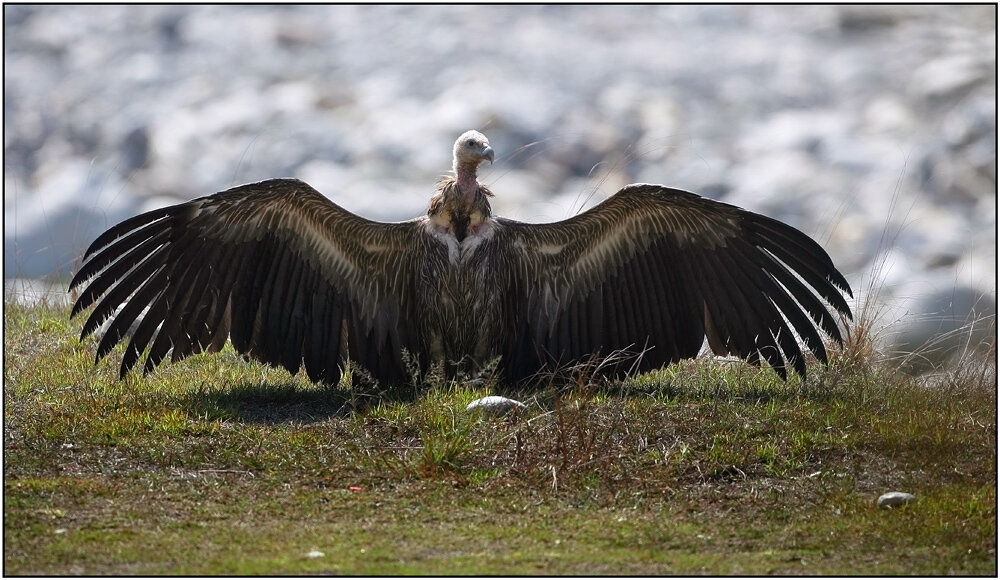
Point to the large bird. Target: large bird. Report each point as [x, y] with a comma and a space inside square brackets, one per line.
[292, 278]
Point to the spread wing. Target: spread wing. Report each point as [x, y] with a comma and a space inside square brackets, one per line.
[655, 271]
[285, 273]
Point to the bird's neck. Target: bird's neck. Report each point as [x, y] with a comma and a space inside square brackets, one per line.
[466, 183]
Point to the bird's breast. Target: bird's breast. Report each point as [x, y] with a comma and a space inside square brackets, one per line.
[459, 296]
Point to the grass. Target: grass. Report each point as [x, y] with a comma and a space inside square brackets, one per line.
[219, 466]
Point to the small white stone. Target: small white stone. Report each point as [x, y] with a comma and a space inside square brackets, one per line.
[894, 499]
[495, 405]
[315, 554]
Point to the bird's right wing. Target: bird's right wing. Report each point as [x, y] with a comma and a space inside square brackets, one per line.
[284, 272]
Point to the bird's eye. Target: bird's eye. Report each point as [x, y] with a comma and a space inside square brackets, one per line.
[471, 142]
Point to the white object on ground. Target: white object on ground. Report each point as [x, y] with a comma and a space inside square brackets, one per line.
[894, 499]
[495, 405]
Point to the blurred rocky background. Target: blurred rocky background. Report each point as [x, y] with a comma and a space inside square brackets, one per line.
[871, 128]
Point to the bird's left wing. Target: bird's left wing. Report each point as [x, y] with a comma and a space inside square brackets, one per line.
[654, 270]
[290, 276]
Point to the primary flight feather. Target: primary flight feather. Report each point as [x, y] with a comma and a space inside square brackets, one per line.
[294, 280]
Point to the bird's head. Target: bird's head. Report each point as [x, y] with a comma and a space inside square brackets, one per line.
[471, 149]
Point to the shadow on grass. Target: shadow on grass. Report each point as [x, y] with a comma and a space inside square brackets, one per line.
[268, 403]
[283, 402]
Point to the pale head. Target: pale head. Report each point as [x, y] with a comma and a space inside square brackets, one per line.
[471, 149]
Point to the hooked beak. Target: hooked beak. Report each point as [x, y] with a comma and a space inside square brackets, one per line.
[488, 154]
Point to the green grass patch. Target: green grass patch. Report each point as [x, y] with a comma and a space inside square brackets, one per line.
[220, 466]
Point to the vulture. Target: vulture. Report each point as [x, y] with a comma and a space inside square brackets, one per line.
[292, 279]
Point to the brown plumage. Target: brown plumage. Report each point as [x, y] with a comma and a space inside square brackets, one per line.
[291, 278]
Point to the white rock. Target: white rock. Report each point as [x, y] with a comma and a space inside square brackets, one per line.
[315, 554]
[894, 499]
[947, 75]
[495, 405]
